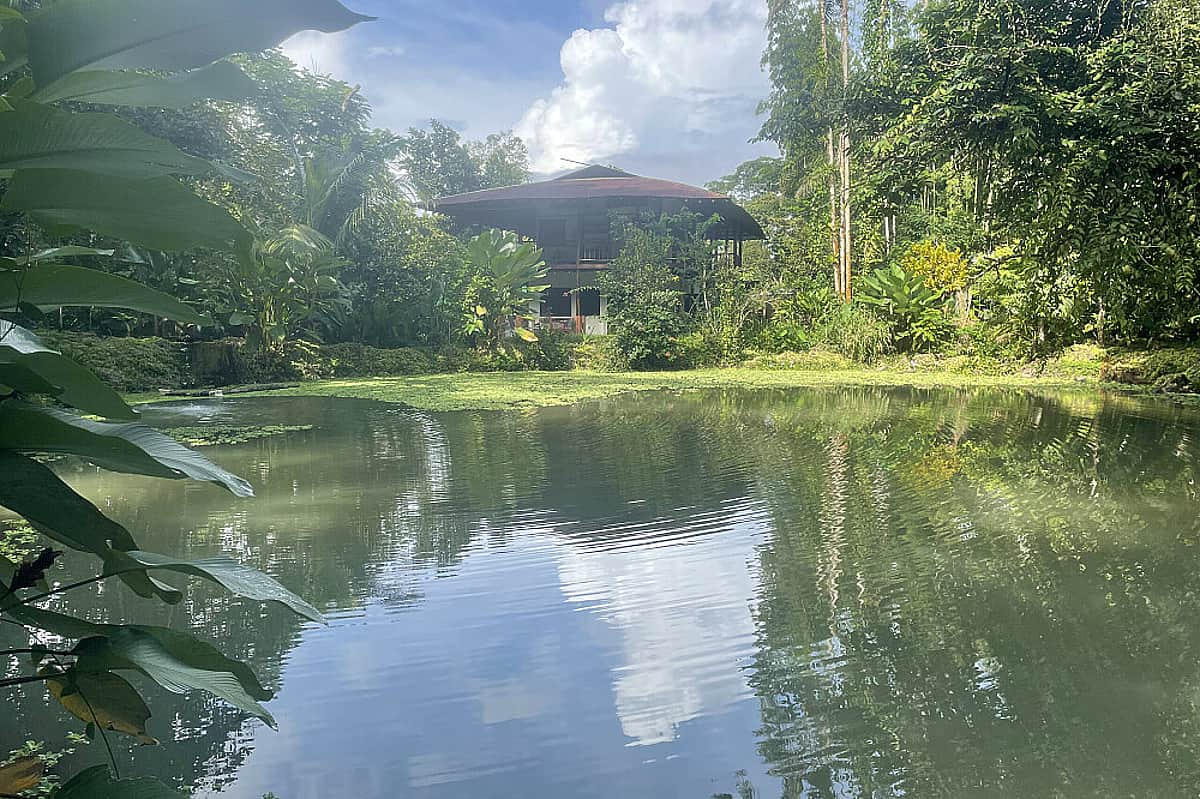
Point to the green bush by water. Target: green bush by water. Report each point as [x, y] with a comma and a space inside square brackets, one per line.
[127, 364]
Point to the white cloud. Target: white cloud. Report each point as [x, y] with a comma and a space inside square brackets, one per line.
[325, 53]
[671, 84]
[685, 618]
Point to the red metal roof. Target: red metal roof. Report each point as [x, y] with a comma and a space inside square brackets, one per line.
[573, 187]
[601, 183]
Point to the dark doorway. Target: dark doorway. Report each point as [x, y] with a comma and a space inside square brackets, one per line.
[557, 303]
[589, 303]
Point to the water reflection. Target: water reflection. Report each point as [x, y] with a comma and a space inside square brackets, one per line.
[679, 596]
[853, 593]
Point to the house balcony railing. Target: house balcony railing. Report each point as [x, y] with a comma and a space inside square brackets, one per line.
[573, 254]
[559, 324]
[590, 325]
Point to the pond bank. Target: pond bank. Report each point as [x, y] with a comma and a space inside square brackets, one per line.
[504, 390]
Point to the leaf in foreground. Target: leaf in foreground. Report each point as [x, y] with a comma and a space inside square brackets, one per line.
[126, 448]
[21, 775]
[60, 285]
[221, 81]
[178, 663]
[175, 660]
[103, 699]
[31, 367]
[34, 136]
[239, 580]
[160, 213]
[35, 492]
[183, 34]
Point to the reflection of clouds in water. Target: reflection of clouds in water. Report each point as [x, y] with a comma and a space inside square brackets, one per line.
[685, 618]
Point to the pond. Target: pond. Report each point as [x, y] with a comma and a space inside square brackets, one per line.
[857, 592]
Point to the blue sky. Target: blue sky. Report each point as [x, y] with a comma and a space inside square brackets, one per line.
[661, 87]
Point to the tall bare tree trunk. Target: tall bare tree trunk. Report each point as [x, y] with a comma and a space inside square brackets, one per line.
[847, 271]
[834, 156]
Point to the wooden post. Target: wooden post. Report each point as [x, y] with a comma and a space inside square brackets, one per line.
[579, 243]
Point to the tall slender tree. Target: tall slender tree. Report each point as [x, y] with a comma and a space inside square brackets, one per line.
[847, 215]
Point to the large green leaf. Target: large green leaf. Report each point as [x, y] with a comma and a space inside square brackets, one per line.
[159, 213]
[14, 45]
[239, 580]
[34, 136]
[168, 34]
[221, 81]
[35, 492]
[174, 660]
[126, 448]
[57, 623]
[50, 505]
[58, 285]
[27, 365]
[104, 699]
[53, 254]
[177, 662]
[98, 783]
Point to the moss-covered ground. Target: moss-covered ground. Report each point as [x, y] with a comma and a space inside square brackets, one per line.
[500, 390]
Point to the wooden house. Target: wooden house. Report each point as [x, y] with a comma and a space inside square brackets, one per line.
[570, 218]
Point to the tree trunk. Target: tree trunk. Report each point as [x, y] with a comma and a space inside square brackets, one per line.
[847, 251]
[833, 155]
[835, 178]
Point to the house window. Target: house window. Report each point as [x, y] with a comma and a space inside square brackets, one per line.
[552, 232]
[589, 303]
[557, 303]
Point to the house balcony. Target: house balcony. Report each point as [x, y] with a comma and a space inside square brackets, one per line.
[582, 325]
[589, 256]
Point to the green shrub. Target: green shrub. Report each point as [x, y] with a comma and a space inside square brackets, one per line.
[596, 353]
[709, 345]
[360, 360]
[817, 360]
[855, 332]
[916, 312]
[127, 364]
[645, 301]
[782, 336]
[550, 353]
[1175, 369]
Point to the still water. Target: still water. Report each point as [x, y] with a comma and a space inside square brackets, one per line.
[821, 593]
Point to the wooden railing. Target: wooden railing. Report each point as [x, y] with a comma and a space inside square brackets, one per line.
[559, 324]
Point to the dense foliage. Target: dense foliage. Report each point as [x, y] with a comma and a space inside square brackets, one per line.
[341, 251]
[1032, 162]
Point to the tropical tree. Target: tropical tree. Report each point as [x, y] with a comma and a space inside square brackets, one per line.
[406, 278]
[289, 279]
[645, 300]
[73, 172]
[913, 308]
[506, 287]
[437, 162]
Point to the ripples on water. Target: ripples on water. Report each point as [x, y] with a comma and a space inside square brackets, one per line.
[853, 593]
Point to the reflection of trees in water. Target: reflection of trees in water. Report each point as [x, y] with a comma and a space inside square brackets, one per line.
[370, 504]
[1007, 618]
[963, 592]
[364, 506]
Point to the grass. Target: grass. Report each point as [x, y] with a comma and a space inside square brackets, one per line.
[503, 390]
